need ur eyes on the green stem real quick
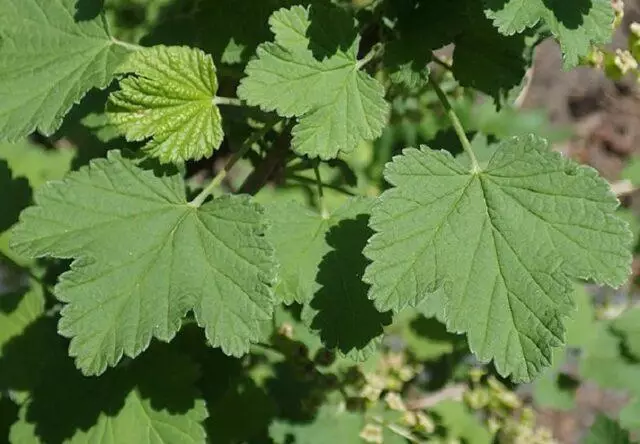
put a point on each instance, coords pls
(457, 125)
(375, 51)
(246, 146)
(323, 208)
(127, 45)
(231, 101)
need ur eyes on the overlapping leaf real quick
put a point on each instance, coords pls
(576, 24)
(18, 309)
(501, 242)
(321, 267)
(483, 58)
(144, 257)
(311, 71)
(154, 399)
(170, 99)
(49, 59)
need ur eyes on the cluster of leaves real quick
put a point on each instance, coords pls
(144, 303)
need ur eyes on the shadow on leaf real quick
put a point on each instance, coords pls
(240, 26)
(15, 195)
(62, 402)
(341, 311)
(88, 9)
(331, 30)
(570, 14)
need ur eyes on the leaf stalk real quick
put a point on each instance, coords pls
(457, 125)
(374, 52)
(231, 101)
(246, 146)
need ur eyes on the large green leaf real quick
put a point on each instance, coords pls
(145, 257)
(577, 24)
(170, 98)
(501, 242)
(315, 75)
(50, 56)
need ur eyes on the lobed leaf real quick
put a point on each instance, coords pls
(577, 24)
(314, 74)
(170, 98)
(501, 244)
(144, 257)
(49, 59)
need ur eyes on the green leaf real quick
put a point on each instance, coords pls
(240, 26)
(603, 362)
(316, 76)
(630, 415)
(501, 243)
(153, 399)
(35, 163)
(49, 59)
(420, 28)
(321, 265)
(628, 325)
(487, 61)
(18, 309)
(576, 24)
(170, 99)
(606, 431)
(145, 257)
(299, 236)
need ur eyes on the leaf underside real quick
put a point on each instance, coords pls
(48, 61)
(144, 257)
(496, 249)
(318, 80)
